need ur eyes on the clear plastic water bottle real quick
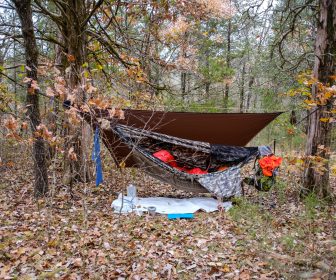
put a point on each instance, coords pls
(131, 191)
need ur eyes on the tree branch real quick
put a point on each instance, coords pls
(57, 18)
(97, 5)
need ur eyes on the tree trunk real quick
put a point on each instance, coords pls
(207, 81)
(228, 65)
(24, 10)
(242, 90)
(183, 84)
(15, 77)
(319, 133)
(207, 90)
(153, 70)
(183, 71)
(54, 114)
(74, 33)
(2, 61)
(249, 94)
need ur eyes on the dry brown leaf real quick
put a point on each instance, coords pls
(244, 275)
(71, 58)
(78, 262)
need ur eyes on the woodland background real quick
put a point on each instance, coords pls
(188, 55)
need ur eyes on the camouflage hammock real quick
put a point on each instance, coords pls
(226, 183)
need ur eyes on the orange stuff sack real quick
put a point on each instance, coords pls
(269, 163)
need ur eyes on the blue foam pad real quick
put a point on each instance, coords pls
(181, 216)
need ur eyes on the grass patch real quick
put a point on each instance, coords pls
(248, 213)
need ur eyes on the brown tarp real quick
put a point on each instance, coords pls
(235, 129)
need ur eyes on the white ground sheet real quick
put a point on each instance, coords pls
(165, 205)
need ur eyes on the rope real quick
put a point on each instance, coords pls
(312, 112)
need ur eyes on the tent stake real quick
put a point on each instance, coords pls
(274, 144)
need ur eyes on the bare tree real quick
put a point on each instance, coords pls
(72, 18)
(24, 10)
(228, 64)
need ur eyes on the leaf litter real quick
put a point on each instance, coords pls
(63, 238)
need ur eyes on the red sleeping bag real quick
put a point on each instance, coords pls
(197, 171)
(168, 158)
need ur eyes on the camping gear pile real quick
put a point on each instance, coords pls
(156, 142)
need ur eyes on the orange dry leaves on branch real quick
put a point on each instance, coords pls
(24, 125)
(73, 116)
(137, 73)
(72, 155)
(99, 103)
(12, 125)
(43, 132)
(89, 88)
(116, 113)
(60, 88)
(206, 9)
(324, 93)
(32, 85)
(71, 58)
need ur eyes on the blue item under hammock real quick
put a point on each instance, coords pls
(96, 158)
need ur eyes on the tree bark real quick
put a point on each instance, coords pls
(53, 115)
(74, 33)
(242, 89)
(228, 65)
(207, 81)
(319, 133)
(249, 95)
(183, 84)
(73, 21)
(2, 61)
(24, 10)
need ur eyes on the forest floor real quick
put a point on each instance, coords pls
(272, 235)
